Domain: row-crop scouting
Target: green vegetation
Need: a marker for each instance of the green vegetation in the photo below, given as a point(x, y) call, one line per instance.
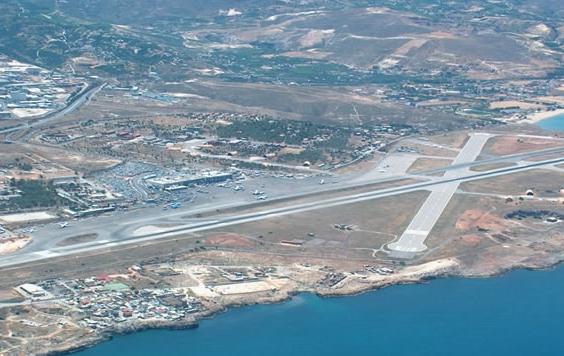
point(339, 140)
point(311, 155)
point(24, 166)
point(265, 63)
point(280, 131)
point(32, 194)
point(287, 131)
point(318, 141)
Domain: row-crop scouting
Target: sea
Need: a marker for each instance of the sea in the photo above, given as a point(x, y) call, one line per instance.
point(518, 313)
point(554, 123)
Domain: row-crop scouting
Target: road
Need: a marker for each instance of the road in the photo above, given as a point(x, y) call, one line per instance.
point(121, 233)
point(413, 238)
point(80, 100)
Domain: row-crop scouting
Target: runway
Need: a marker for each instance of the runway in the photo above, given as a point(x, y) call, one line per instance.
point(413, 238)
point(123, 236)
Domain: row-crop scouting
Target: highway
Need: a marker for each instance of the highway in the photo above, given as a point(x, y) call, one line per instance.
point(413, 238)
point(122, 234)
point(77, 102)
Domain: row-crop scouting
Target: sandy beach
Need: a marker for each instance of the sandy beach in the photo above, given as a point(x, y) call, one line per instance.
point(543, 115)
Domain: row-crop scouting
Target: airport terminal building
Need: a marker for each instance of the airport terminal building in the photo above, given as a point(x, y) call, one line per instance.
point(185, 180)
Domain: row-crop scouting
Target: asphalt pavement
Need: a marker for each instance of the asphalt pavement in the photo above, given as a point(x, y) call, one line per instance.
point(122, 233)
point(413, 238)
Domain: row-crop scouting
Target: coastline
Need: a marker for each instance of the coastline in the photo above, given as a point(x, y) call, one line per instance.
point(541, 116)
point(107, 336)
point(454, 271)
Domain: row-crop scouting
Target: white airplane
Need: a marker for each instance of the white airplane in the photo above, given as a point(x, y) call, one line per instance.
point(63, 224)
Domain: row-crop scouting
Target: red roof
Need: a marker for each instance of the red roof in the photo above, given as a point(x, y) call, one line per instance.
point(103, 277)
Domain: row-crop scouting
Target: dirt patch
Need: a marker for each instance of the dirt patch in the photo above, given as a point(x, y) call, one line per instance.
point(509, 104)
point(362, 166)
point(315, 37)
point(10, 296)
point(454, 140)
point(505, 145)
point(408, 46)
point(11, 245)
point(471, 240)
point(25, 218)
point(310, 54)
point(79, 239)
point(229, 239)
point(291, 150)
point(479, 219)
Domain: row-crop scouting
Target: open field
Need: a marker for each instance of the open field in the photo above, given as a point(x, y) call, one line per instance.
point(490, 166)
point(27, 217)
point(543, 182)
point(454, 140)
point(428, 163)
point(372, 224)
point(67, 161)
point(507, 104)
point(477, 229)
point(544, 157)
point(9, 296)
point(504, 145)
point(447, 229)
point(317, 104)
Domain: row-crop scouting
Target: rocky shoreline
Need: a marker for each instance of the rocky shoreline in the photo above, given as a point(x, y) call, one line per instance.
point(130, 329)
point(455, 270)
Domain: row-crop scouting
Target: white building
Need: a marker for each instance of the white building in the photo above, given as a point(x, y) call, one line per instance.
point(32, 291)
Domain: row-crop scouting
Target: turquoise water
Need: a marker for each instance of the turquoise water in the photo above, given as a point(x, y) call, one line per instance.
point(555, 123)
point(520, 313)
